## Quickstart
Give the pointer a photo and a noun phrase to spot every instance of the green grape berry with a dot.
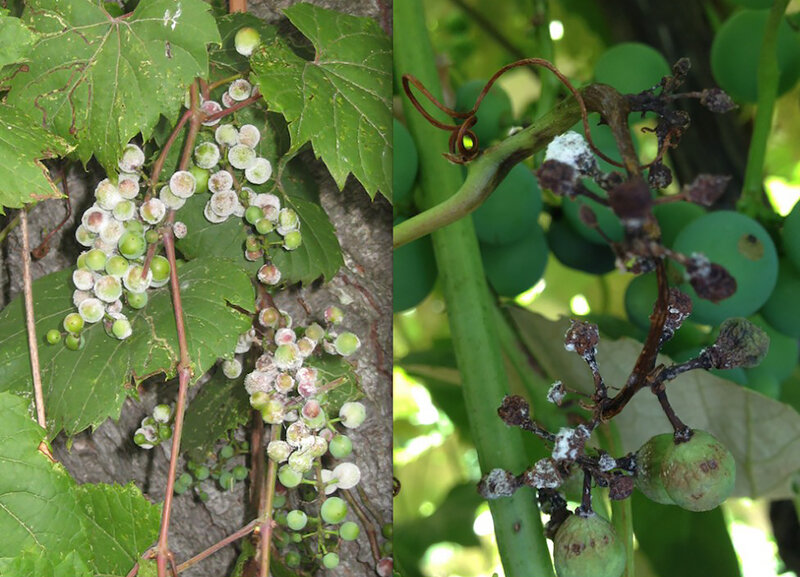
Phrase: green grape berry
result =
(292, 559)
(226, 452)
(587, 546)
(631, 67)
(405, 164)
(340, 446)
(73, 323)
(264, 225)
(96, 259)
(349, 531)
(673, 217)
(240, 472)
(259, 171)
(136, 300)
(53, 336)
(511, 210)
(333, 510)
(253, 214)
(513, 269)
(121, 328)
(206, 155)
(132, 245)
(160, 269)
(413, 272)
(296, 520)
(74, 342)
(778, 364)
(346, 344)
(117, 266)
(782, 309)
(292, 240)
(352, 414)
(494, 113)
(574, 251)
(736, 50)
(698, 474)
(226, 480)
(246, 40)
(288, 477)
(740, 245)
(202, 473)
(639, 299)
(387, 530)
(330, 560)
(649, 459)
(200, 178)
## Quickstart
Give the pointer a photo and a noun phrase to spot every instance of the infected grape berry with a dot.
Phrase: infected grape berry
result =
(246, 40)
(53, 336)
(587, 546)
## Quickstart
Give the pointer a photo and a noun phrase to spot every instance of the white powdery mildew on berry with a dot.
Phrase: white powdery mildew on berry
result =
(544, 475)
(259, 381)
(498, 483)
(569, 442)
(571, 148)
(556, 393)
(606, 462)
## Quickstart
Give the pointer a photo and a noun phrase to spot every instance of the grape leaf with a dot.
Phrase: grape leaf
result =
(329, 368)
(23, 178)
(15, 40)
(340, 100)
(53, 527)
(220, 406)
(97, 81)
(762, 434)
(83, 388)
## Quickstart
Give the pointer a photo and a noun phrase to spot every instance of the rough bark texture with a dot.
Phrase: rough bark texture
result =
(362, 289)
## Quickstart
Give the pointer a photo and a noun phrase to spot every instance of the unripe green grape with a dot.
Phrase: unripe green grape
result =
(782, 309)
(744, 249)
(330, 560)
(160, 268)
(315, 332)
(273, 412)
(249, 135)
(292, 240)
(405, 164)
(778, 364)
(414, 273)
(132, 158)
(698, 474)
(346, 344)
(673, 217)
(108, 288)
(511, 210)
(347, 475)
(136, 300)
(333, 510)
(253, 214)
(226, 135)
(53, 336)
(226, 480)
(92, 310)
(164, 432)
(182, 184)
(246, 40)
(649, 459)
(296, 520)
(226, 452)
(73, 342)
(387, 530)
(574, 251)
(128, 186)
(288, 477)
(240, 472)
(352, 414)
(73, 323)
(179, 488)
(588, 547)
(132, 245)
(640, 296)
(220, 181)
(515, 268)
(736, 50)
(121, 328)
(231, 368)
(279, 451)
(206, 155)
(631, 67)
(264, 225)
(125, 211)
(260, 171)
(202, 473)
(241, 157)
(292, 559)
(790, 235)
(134, 226)
(340, 446)
(134, 281)
(349, 531)
(494, 113)
(287, 221)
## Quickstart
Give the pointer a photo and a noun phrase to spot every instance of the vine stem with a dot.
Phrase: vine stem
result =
(768, 75)
(232, 538)
(265, 501)
(163, 554)
(368, 525)
(517, 523)
(30, 322)
(237, 6)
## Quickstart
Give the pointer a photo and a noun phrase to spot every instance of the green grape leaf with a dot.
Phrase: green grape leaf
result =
(330, 368)
(37, 508)
(83, 388)
(23, 144)
(120, 525)
(15, 40)
(340, 100)
(762, 434)
(220, 406)
(53, 527)
(98, 81)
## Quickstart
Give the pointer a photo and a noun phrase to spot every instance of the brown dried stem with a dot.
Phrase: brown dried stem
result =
(30, 322)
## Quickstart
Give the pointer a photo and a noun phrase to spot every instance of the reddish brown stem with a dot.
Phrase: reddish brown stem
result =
(265, 499)
(44, 246)
(30, 322)
(197, 118)
(233, 537)
(232, 109)
(237, 6)
(159, 164)
(134, 570)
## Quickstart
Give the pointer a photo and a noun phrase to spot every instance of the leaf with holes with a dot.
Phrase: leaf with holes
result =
(340, 100)
(220, 406)
(83, 388)
(23, 178)
(762, 434)
(98, 81)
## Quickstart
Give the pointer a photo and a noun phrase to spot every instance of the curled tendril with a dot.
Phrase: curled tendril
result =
(459, 152)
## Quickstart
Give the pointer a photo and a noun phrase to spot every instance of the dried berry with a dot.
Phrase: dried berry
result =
(740, 344)
(588, 547)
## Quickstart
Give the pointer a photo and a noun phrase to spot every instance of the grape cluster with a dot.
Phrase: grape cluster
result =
(155, 428)
(116, 231)
(223, 466)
